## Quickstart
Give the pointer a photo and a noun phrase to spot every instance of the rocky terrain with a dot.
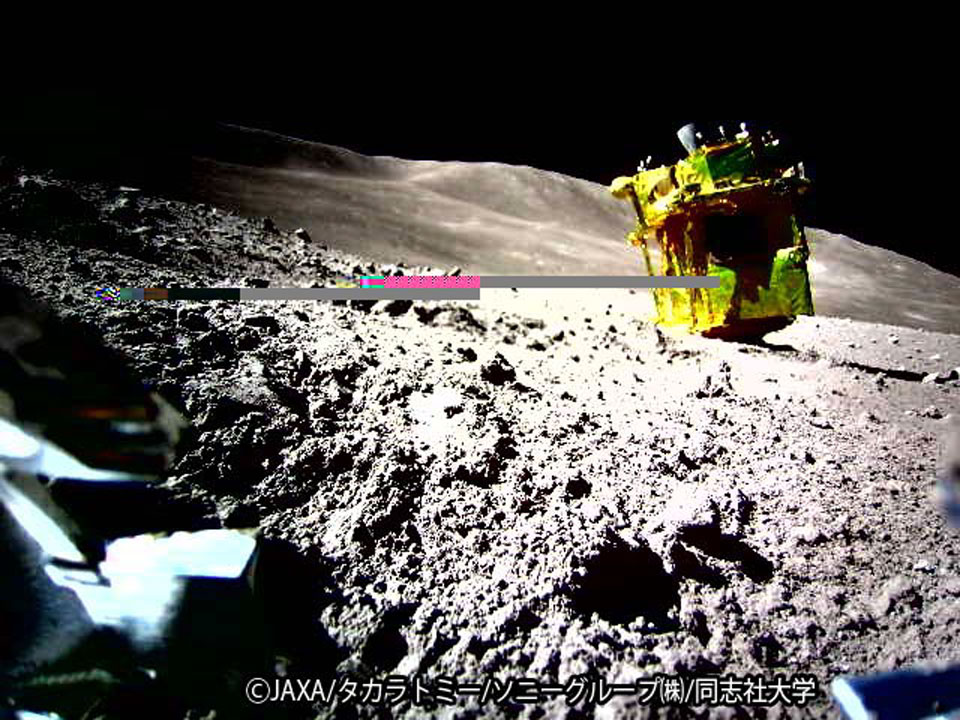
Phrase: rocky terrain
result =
(534, 485)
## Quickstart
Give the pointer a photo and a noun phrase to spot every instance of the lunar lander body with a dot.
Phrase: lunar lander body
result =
(727, 210)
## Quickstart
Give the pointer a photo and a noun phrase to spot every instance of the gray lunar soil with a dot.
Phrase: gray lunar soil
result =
(530, 485)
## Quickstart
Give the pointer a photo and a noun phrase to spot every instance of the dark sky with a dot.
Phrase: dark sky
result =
(868, 126)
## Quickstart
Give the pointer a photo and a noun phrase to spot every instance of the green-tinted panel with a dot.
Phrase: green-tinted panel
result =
(735, 163)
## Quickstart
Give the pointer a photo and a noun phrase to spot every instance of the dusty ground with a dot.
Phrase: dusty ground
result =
(531, 485)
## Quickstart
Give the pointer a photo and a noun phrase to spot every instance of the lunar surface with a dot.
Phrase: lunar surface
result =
(540, 484)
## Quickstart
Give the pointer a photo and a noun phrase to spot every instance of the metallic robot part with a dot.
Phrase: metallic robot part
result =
(727, 210)
(175, 609)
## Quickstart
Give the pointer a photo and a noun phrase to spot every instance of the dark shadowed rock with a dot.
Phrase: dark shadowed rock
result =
(397, 307)
(425, 314)
(467, 353)
(766, 649)
(193, 320)
(266, 322)
(498, 371)
(608, 583)
(577, 488)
